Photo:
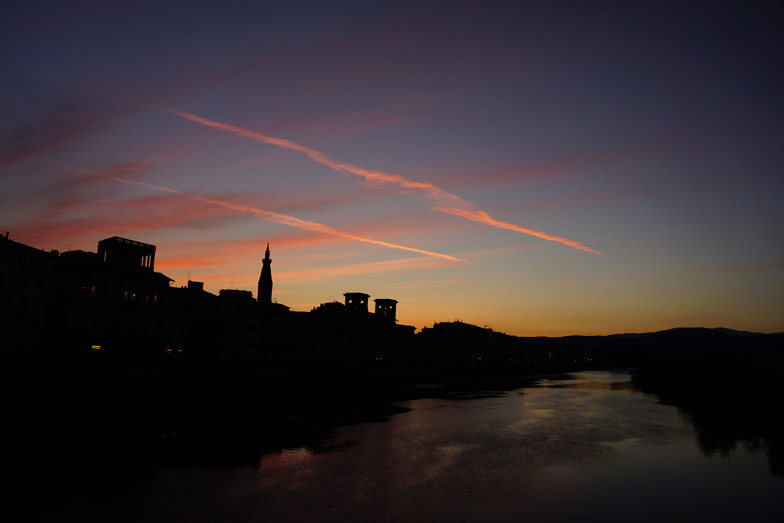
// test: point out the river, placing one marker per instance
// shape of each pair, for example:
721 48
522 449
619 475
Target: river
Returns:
581 447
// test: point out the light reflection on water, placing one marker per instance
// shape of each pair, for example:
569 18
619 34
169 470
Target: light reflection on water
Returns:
586 448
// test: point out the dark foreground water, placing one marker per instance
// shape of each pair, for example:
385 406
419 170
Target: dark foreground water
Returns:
584 447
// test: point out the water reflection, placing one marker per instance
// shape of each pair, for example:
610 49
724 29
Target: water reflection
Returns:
727 432
583 446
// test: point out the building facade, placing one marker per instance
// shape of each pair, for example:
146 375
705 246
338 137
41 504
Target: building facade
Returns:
112 303
24 284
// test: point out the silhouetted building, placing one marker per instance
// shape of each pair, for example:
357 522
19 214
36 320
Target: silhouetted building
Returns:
351 334
387 309
193 322
337 333
459 343
284 335
240 324
265 280
121 251
356 301
112 301
24 272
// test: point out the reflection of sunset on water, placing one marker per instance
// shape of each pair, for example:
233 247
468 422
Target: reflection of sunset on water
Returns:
619 456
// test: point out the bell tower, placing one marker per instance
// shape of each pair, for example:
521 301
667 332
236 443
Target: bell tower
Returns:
385 308
265 279
356 301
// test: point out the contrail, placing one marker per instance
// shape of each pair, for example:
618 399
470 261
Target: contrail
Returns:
444 201
272 216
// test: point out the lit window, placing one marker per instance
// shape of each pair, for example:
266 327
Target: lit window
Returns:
95 347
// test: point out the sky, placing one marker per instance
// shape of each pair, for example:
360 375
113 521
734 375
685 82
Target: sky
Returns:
541 168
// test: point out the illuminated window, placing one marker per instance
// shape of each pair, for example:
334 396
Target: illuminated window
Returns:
95 347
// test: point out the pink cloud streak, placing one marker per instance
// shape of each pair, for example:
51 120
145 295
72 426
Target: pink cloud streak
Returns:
444 201
274 216
421 283
56 212
359 268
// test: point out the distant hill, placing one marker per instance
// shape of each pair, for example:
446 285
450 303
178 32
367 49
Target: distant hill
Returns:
730 332
680 340
692 340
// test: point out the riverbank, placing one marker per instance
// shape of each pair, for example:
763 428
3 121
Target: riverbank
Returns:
104 425
732 400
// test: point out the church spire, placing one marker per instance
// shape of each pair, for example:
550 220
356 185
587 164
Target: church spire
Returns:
265 279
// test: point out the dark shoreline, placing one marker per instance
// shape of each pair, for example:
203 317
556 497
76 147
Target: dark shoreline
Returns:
80 426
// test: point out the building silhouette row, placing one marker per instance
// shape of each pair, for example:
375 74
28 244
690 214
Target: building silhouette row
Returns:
112 303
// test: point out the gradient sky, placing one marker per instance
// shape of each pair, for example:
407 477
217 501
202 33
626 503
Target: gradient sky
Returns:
543 168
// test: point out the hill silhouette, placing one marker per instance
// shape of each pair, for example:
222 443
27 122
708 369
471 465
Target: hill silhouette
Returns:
676 341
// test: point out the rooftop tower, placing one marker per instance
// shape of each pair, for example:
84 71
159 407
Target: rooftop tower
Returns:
265 279
123 251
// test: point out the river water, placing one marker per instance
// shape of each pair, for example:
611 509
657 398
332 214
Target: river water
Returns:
583 447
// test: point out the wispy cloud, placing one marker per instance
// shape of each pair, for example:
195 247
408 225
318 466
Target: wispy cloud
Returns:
360 268
443 201
58 125
56 128
734 268
112 216
224 252
644 277
474 256
272 216
78 207
214 253
622 281
423 283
